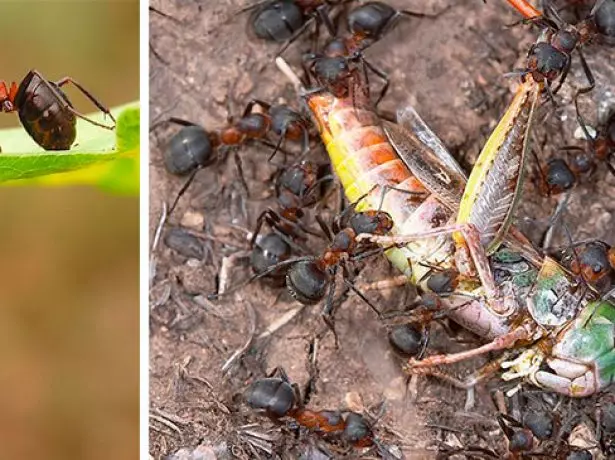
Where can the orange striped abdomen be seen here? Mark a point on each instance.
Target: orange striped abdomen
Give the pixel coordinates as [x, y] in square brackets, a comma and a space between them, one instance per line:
[366, 163]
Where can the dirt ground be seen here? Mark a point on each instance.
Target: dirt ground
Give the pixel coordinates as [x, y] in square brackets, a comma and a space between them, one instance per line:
[451, 69]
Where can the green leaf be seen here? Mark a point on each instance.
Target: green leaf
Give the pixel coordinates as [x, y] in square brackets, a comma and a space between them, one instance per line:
[107, 159]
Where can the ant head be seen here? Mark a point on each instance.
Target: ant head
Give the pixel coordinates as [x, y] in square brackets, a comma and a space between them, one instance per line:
[274, 395]
[374, 222]
[268, 251]
[286, 122]
[540, 422]
[188, 149]
[335, 48]
[7, 97]
[546, 62]
[442, 282]
[298, 179]
[559, 177]
[358, 431]
[371, 19]
[406, 339]
[565, 40]
[277, 21]
[592, 260]
[332, 72]
[307, 282]
[521, 440]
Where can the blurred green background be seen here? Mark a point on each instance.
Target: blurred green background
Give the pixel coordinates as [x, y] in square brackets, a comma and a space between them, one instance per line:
[69, 270]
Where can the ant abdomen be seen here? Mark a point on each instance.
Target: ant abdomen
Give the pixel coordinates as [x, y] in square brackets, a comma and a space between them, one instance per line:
[277, 21]
[370, 19]
[406, 340]
[273, 395]
[307, 282]
[190, 148]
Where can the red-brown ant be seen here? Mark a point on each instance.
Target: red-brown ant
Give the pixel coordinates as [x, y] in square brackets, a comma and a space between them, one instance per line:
[310, 279]
[285, 20]
[277, 397]
[550, 58]
[366, 25]
[594, 262]
[561, 175]
[45, 111]
[193, 148]
[297, 187]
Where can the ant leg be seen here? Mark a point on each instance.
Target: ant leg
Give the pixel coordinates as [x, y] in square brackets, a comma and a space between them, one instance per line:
[177, 121]
[325, 228]
[586, 89]
[305, 144]
[102, 108]
[328, 312]
[259, 224]
[469, 382]
[279, 371]
[164, 15]
[183, 189]
[323, 14]
[278, 147]
[271, 145]
[242, 179]
[313, 371]
[295, 36]
[381, 74]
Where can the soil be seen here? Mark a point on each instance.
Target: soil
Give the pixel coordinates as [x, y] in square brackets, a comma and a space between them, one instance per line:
[452, 70]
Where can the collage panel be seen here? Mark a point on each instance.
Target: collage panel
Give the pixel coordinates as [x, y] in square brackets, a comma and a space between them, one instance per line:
[69, 166]
[381, 229]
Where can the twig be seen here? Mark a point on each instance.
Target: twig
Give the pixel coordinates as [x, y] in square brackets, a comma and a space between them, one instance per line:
[281, 321]
[167, 423]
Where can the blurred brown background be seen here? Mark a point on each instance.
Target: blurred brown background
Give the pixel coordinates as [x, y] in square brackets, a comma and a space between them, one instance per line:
[69, 257]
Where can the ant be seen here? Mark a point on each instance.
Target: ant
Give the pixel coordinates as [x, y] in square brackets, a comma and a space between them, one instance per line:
[309, 279]
[561, 175]
[45, 111]
[551, 56]
[593, 261]
[366, 25]
[297, 187]
[193, 148]
[277, 397]
[285, 20]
